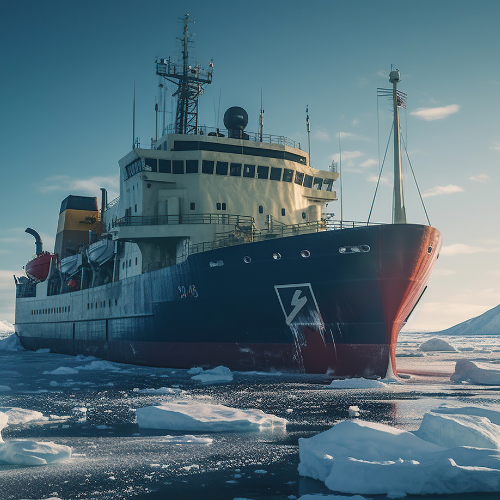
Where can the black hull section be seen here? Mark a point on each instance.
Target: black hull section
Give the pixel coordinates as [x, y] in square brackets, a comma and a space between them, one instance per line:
[330, 311]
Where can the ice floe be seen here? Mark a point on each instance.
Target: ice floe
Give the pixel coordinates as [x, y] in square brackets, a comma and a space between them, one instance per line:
[371, 458]
[27, 452]
[17, 416]
[466, 370]
[435, 344]
[357, 383]
[196, 416]
[160, 391]
[218, 374]
[11, 343]
[186, 439]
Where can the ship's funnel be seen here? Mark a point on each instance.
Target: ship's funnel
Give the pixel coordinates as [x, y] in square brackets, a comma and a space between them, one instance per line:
[38, 240]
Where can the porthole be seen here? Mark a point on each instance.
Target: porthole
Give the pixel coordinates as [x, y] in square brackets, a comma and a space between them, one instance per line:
[247, 259]
[276, 256]
[429, 250]
[148, 185]
[354, 249]
[305, 254]
[304, 215]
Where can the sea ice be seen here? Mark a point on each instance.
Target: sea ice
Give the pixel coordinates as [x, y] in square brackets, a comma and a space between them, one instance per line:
[491, 412]
[21, 416]
[160, 391]
[4, 388]
[357, 383]
[371, 458]
[192, 416]
[468, 371]
[455, 430]
[186, 439]
[196, 370]
[26, 452]
[436, 345]
[218, 374]
[62, 370]
[11, 343]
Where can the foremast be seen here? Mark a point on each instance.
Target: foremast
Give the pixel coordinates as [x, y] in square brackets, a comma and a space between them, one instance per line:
[399, 211]
[190, 81]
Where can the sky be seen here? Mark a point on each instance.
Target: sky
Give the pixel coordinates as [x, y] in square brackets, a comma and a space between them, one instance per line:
[68, 74]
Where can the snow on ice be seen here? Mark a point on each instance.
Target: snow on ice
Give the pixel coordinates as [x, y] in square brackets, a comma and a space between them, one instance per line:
[11, 343]
[21, 416]
[26, 452]
[192, 416]
[466, 370]
[218, 374]
[436, 345]
[357, 383]
[371, 458]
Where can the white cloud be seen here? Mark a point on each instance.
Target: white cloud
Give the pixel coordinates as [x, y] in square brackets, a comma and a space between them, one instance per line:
[8, 293]
[480, 178]
[462, 249]
[374, 178]
[496, 146]
[368, 163]
[383, 73]
[320, 135]
[90, 186]
[355, 122]
[346, 156]
[439, 190]
[430, 114]
[350, 135]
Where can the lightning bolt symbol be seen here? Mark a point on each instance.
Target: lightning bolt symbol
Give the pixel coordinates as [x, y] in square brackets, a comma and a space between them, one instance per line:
[299, 303]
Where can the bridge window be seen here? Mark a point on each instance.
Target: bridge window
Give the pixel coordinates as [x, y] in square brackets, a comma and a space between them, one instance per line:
[221, 168]
[287, 175]
[191, 166]
[308, 181]
[275, 174]
[299, 178]
[177, 166]
[207, 167]
[318, 182]
[262, 172]
[151, 164]
[218, 206]
[235, 169]
[327, 184]
[223, 206]
[249, 171]
[192, 206]
[165, 166]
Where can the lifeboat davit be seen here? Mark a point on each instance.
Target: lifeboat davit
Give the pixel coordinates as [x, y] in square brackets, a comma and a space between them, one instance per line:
[38, 268]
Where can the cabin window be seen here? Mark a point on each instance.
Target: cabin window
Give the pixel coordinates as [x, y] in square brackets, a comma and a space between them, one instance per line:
[249, 171]
[177, 166]
[129, 262]
[207, 167]
[135, 208]
[223, 206]
[261, 209]
[192, 206]
[92, 306]
[218, 206]
[191, 166]
[303, 215]
[116, 302]
[308, 181]
[151, 164]
[299, 178]
[327, 184]
[282, 212]
[275, 174]
[136, 261]
[287, 175]
[221, 168]
[109, 303]
[262, 172]
[165, 166]
[68, 308]
[318, 182]
[235, 169]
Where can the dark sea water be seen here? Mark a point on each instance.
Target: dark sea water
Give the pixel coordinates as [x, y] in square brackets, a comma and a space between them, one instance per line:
[113, 458]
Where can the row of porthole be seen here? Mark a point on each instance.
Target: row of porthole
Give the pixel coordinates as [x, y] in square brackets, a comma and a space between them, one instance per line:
[102, 303]
[354, 249]
[50, 310]
[277, 256]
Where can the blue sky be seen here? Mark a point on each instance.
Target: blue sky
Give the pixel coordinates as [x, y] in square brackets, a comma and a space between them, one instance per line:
[68, 72]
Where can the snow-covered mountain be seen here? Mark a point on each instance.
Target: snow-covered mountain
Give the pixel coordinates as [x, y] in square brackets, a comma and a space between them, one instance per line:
[487, 323]
[6, 327]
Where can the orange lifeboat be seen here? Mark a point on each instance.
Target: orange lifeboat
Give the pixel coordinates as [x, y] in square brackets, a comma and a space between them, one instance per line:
[38, 268]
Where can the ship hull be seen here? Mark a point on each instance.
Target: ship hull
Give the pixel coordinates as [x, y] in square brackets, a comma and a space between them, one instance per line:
[328, 302]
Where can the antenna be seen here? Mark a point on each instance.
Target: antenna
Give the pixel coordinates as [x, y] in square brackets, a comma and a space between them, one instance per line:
[340, 179]
[190, 81]
[308, 132]
[133, 121]
[261, 117]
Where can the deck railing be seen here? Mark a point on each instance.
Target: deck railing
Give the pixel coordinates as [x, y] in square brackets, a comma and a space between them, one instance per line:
[159, 220]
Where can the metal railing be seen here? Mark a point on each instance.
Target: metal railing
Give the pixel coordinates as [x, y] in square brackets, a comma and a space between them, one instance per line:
[159, 220]
[249, 136]
[112, 203]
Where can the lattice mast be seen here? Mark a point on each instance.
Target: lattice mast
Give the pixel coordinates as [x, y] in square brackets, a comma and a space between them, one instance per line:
[190, 82]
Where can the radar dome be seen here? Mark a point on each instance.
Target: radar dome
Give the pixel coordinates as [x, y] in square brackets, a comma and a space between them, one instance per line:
[235, 118]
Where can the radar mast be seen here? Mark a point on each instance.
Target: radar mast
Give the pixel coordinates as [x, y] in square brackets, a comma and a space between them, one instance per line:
[190, 81]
